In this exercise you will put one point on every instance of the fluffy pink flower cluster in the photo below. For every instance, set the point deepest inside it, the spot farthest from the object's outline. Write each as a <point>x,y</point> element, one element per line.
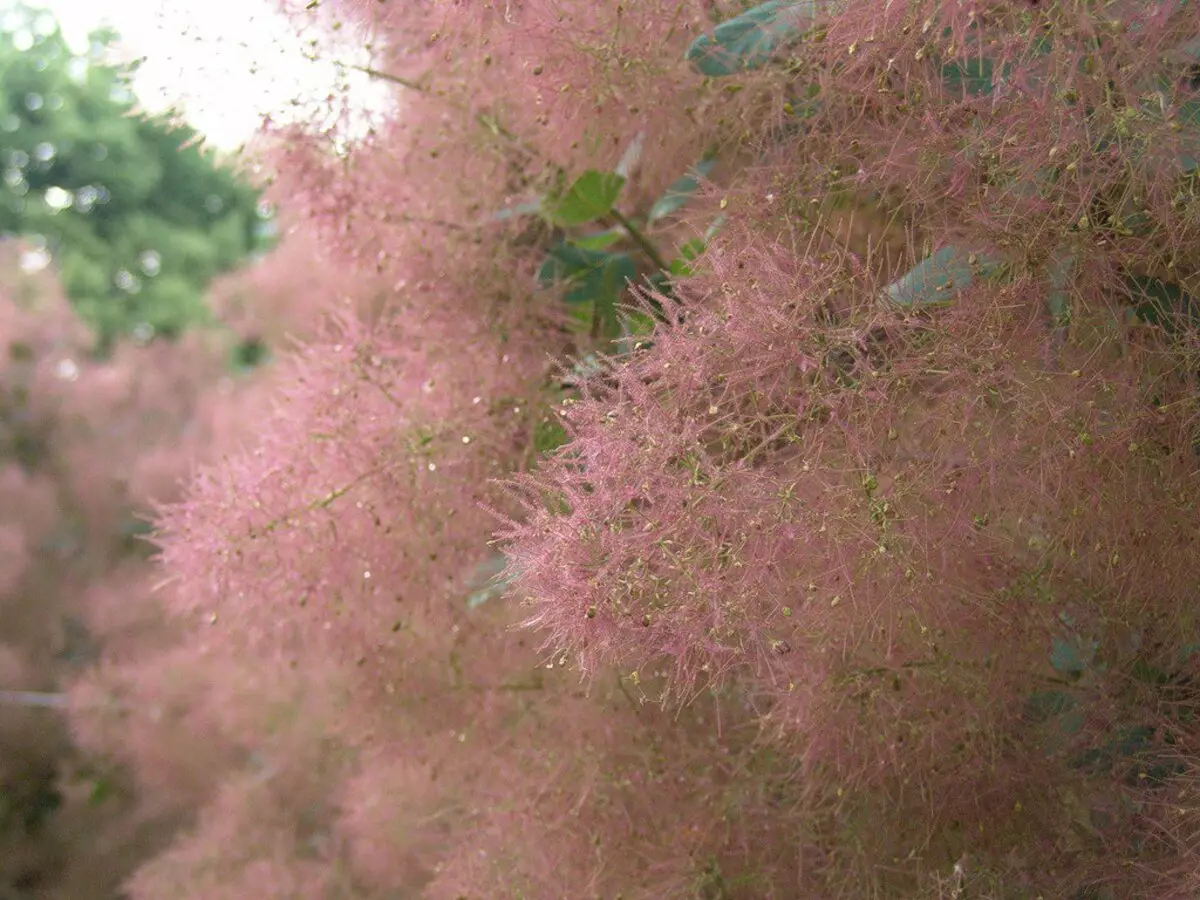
<point>908,553</point>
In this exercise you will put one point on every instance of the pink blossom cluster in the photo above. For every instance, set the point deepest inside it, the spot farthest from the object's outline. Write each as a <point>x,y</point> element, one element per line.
<point>839,582</point>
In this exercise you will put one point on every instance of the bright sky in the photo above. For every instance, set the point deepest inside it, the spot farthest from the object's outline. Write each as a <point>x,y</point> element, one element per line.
<point>224,63</point>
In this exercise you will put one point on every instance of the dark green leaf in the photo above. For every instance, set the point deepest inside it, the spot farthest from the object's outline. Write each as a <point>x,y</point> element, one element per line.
<point>1045,705</point>
<point>936,279</point>
<point>1064,656</point>
<point>680,191</point>
<point>1188,116</point>
<point>717,224</point>
<point>1061,271</point>
<point>688,253</point>
<point>1162,304</point>
<point>549,435</point>
<point>588,198</point>
<point>592,275</point>
<point>973,76</point>
<point>751,40</point>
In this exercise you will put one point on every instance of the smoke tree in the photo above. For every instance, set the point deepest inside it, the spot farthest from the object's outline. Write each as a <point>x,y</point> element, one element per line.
<point>85,445</point>
<point>826,375</point>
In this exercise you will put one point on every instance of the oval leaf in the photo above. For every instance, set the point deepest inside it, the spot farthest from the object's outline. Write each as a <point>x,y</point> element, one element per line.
<point>593,275</point>
<point>750,40</point>
<point>591,196</point>
<point>680,191</point>
<point>1162,303</point>
<point>935,279</point>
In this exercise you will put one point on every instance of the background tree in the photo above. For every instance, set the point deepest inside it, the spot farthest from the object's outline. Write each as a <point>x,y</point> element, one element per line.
<point>138,217</point>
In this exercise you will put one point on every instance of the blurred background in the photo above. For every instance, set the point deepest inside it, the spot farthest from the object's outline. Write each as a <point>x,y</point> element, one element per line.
<point>133,234</point>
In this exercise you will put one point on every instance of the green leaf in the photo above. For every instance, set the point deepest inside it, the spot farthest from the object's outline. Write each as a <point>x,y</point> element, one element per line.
<point>1045,705</point>
<point>1127,742</point>
<point>658,281</point>
<point>591,196</point>
<point>1061,271</point>
<point>1161,303</point>
<point>1065,657</point>
<point>688,253</point>
<point>1188,116</point>
<point>1073,655</point>
<point>751,40</point>
<point>935,279</point>
<point>490,572</point>
<point>102,789</point>
<point>601,240</point>
<point>592,275</point>
<point>548,435</point>
<point>585,368</point>
<point>717,224</point>
<point>974,76</point>
<point>680,191</point>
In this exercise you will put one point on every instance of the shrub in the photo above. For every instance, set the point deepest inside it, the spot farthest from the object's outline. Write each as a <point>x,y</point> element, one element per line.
<point>880,477</point>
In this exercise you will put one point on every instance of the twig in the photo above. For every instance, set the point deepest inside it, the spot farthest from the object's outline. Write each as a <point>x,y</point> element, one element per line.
<point>388,76</point>
<point>34,698</point>
<point>641,240</point>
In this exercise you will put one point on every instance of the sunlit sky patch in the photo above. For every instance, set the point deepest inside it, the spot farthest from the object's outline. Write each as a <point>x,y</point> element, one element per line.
<point>226,63</point>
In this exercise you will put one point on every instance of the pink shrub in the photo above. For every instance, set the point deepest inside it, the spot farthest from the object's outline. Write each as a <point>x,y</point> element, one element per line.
<point>85,445</point>
<point>908,564</point>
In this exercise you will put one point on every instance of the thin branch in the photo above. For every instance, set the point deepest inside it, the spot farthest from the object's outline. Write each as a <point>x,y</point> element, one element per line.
<point>388,76</point>
<point>641,240</point>
<point>440,223</point>
<point>34,698</point>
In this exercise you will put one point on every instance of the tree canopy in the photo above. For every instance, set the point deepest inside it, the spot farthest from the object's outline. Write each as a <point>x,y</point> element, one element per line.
<point>138,216</point>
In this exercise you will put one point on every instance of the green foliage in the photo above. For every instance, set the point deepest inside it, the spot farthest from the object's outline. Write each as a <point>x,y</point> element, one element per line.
<point>592,276</point>
<point>1061,270</point>
<point>1162,304</point>
<point>521,209</point>
<point>681,266</point>
<point>751,40</point>
<point>601,240</point>
<point>1070,656</point>
<point>487,581</point>
<point>680,191</point>
<point>589,197</point>
<point>548,435</point>
<point>248,354</point>
<point>975,77</point>
<point>138,218</point>
<point>935,279</point>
